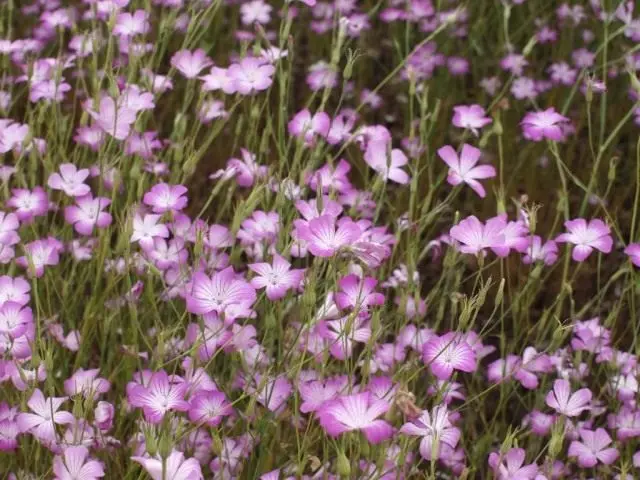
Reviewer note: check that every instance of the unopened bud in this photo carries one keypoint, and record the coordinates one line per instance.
(343, 466)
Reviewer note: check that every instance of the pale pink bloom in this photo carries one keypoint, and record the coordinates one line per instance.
(472, 117)
(322, 237)
(586, 237)
(343, 333)
(474, 236)
(136, 99)
(464, 169)
(14, 319)
(277, 279)
(88, 213)
(190, 64)
(166, 198)
(131, 24)
(633, 251)
(562, 73)
(41, 423)
(219, 293)
(9, 225)
(113, 119)
(358, 294)
(386, 161)
(103, 415)
(38, 254)
(14, 290)
(175, 467)
(70, 180)
(218, 79)
(255, 11)
(546, 124)
(29, 203)
(209, 408)
(566, 403)
(538, 252)
(315, 393)
(306, 126)
(251, 74)
(12, 135)
(514, 63)
(447, 353)
(436, 429)
(147, 228)
(245, 170)
(593, 448)
(271, 393)
(511, 466)
(159, 397)
(86, 383)
(75, 464)
(331, 177)
(359, 411)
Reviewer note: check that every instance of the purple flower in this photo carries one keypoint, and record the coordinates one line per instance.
(75, 464)
(387, 161)
(315, 393)
(436, 429)
(86, 383)
(323, 239)
(113, 119)
(219, 293)
(70, 180)
(87, 214)
(566, 403)
(344, 332)
(586, 237)
(306, 126)
(510, 467)
(277, 278)
(14, 290)
(38, 254)
(190, 64)
(146, 229)
(175, 467)
(14, 319)
(166, 198)
(593, 448)
(29, 203)
(358, 294)
(538, 252)
(209, 407)
(159, 397)
(447, 353)
(359, 411)
(463, 169)
(633, 251)
(252, 74)
(472, 117)
(475, 236)
(537, 126)
(41, 423)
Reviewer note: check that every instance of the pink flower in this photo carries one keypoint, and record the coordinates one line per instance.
(175, 467)
(103, 415)
(29, 203)
(566, 403)
(159, 397)
(387, 161)
(75, 464)
(131, 24)
(537, 126)
(538, 252)
(510, 467)
(87, 214)
(12, 135)
(41, 423)
(436, 429)
(14, 319)
(475, 236)
(9, 225)
(166, 198)
(323, 239)
(463, 169)
(219, 293)
(14, 290)
(116, 120)
(586, 237)
(356, 412)
(146, 229)
(593, 448)
(277, 278)
(209, 408)
(245, 170)
(70, 180)
(306, 126)
(251, 75)
(255, 11)
(471, 117)
(358, 294)
(315, 393)
(86, 383)
(190, 64)
(271, 393)
(40, 253)
(344, 332)
(633, 251)
(447, 353)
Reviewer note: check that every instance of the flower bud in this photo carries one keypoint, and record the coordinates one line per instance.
(103, 415)
(343, 466)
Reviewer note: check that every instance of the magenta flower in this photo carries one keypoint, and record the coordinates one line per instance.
(474, 236)
(358, 294)
(29, 203)
(472, 117)
(38, 254)
(436, 429)
(166, 198)
(75, 464)
(566, 403)
(315, 393)
(146, 229)
(632, 250)
(175, 467)
(9, 225)
(538, 252)
(277, 278)
(306, 126)
(359, 411)
(323, 239)
(159, 397)
(42, 422)
(14, 290)
(586, 237)
(113, 119)
(219, 293)
(344, 332)
(387, 161)
(190, 64)
(447, 353)
(209, 407)
(14, 319)
(245, 170)
(537, 126)
(593, 448)
(86, 383)
(70, 180)
(272, 393)
(511, 465)
(252, 74)
(87, 214)
(463, 169)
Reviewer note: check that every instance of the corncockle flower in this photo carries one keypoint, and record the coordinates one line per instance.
(48, 90)
(38, 254)
(463, 169)
(14, 290)
(218, 79)
(539, 422)
(41, 423)
(593, 448)
(532, 364)
(514, 63)
(174, 467)
(166, 198)
(29, 203)
(447, 353)
(219, 293)
(633, 251)
(470, 117)
(113, 119)
(359, 411)
(343, 333)
(210, 110)
(538, 252)
(131, 24)
(9, 225)
(475, 236)
(159, 397)
(516, 236)
(260, 227)
(329, 177)
(341, 127)
(234, 451)
(590, 335)
(546, 124)
(167, 254)
(217, 237)
(147, 228)
(103, 415)
(566, 403)
(311, 209)
(510, 466)
(435, 428)
(87, 214)
(136, 99)
(307, 126)
(385, 357)
(277, 278)
(251, 74)
(86, 383)
(315, 393)
(12, 135)
(246, 171)
(211, 336)
(491, 85)
(358, 294)
(626, 423)
(75, 464)
(271, 393)
(387, 161)
(23, 377)
(92, 137)
(524, 88)
(322, 75)
(322, 237)
(9, 432)
(446, 391)
(14, 319)
(143, 145)
(209, 408)
(562, 73)
(586, 237)
(626, 386)
(190, 64)
(255, 11)
(70, 180)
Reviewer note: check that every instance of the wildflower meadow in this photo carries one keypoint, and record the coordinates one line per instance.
(319, 239)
